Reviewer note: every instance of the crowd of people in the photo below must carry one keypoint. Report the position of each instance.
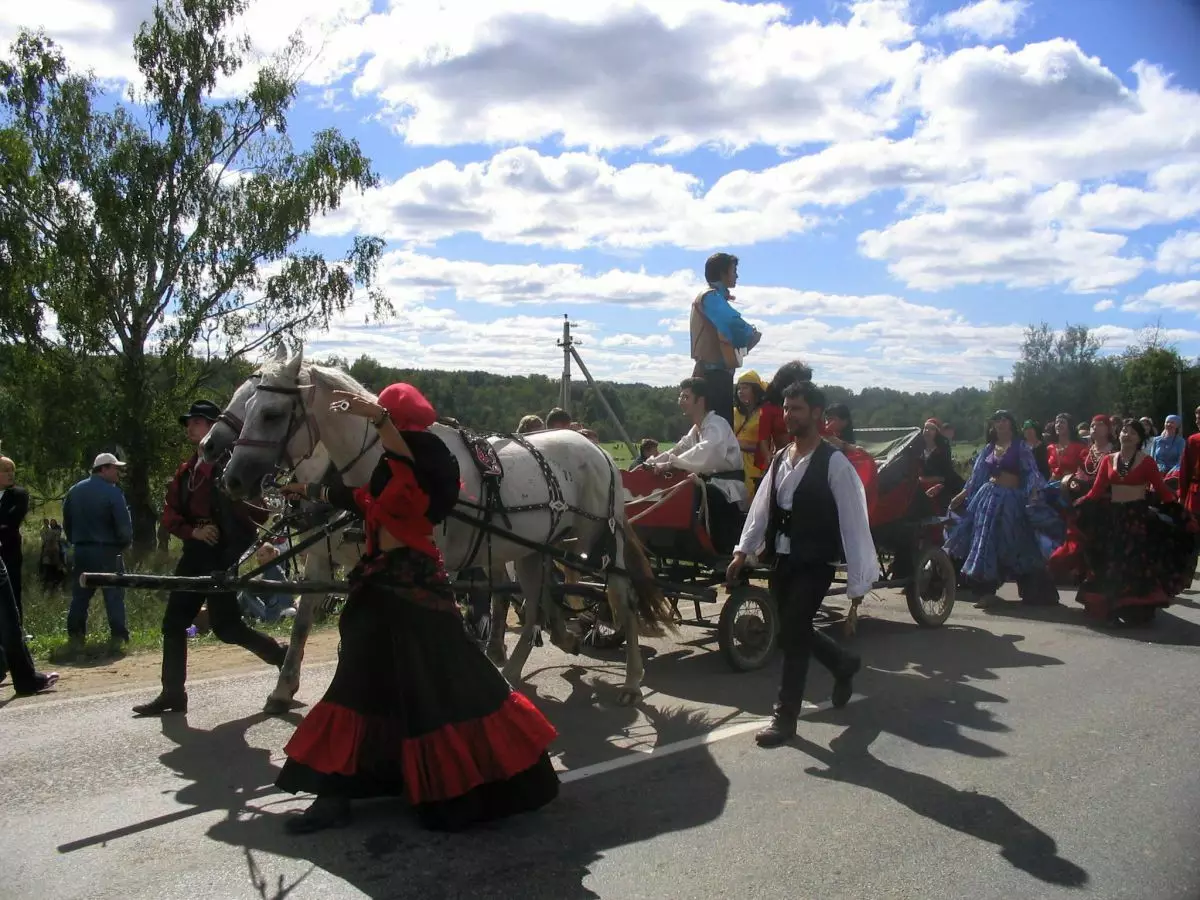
(415, 708)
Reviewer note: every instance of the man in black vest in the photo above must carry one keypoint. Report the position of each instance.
(810, 508)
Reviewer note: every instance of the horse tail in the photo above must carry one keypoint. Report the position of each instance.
(653, 609)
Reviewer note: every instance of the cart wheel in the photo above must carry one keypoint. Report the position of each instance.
(749, 628)
(598, 628)
(930, 592)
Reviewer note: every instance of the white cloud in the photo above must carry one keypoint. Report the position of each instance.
(1183, 296)
(676, 72)
(985, 19)
(572, 201)
(1103, 305)
(1180, 253)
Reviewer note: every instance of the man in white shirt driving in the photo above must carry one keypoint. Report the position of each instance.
(711, 450)
(809, 513)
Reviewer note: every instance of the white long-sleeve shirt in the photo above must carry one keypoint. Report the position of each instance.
(862, 564)
(709, 449)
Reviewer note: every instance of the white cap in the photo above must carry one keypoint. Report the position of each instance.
(106, 459)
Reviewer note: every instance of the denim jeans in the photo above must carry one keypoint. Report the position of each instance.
(97, 558)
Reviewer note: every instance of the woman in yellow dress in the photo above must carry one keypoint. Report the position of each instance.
(747, 421)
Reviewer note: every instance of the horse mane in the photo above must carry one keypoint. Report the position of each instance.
(336, 379)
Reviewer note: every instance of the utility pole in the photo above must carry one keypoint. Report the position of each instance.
(1179, 399)
(564, 400)
(569, 352)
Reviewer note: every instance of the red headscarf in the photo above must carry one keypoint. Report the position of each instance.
(407, 407)
(1101, 418)
(934, 422)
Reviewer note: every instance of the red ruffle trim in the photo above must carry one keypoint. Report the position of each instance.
(441, 765)
(1096, 605)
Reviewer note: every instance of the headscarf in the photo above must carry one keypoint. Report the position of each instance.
(1173, 420)
(407, 407)
(1029, 423)
(1009, 417)
(1102, 418)
(934, 422)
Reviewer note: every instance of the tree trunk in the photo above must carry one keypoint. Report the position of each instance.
(137, 438)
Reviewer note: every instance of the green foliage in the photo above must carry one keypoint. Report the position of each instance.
(144, 228)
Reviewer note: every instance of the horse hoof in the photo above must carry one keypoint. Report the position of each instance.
(276, 707)
(629, 696)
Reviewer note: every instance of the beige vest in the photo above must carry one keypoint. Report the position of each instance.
(707, 344)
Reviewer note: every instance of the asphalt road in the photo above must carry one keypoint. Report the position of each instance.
(1010, 754)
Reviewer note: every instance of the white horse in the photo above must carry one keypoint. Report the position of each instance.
(557, 484)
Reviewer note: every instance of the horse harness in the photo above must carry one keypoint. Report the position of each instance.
(491, 472)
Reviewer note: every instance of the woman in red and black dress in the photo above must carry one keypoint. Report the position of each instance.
(1067, 564)
(415, 708)
(1137, 552)
(1065, 455)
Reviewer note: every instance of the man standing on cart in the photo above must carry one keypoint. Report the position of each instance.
(808, 475)
(720, 336)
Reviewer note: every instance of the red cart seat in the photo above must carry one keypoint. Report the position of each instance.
(674, 528)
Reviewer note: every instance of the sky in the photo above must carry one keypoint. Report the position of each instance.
(908, 184)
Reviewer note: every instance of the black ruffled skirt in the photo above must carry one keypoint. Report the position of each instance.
(1135, 551)
(416, 710)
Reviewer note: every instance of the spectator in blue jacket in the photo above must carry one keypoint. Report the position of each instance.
(268, 607)
(721, 338)
(97, 524)
(1168, 446)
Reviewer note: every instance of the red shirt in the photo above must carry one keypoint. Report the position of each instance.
(1144, 473)
(189, 500)
(771, 425)
(400, 508)
(1189, 474)
(1065, 461)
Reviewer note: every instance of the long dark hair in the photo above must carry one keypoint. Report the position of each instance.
(789, 373)
(842, 411)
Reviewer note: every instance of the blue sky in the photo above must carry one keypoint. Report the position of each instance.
(907, 184)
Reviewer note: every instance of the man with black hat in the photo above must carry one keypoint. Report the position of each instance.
(215, 532)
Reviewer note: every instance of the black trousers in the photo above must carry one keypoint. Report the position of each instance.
(14, 654)
(14, 563)
(720, 390)
(798, 595)
(223, 614)
(724, 518)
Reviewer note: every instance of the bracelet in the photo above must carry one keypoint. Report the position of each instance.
(383, 417)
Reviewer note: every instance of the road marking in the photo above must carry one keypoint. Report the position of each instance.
(701, 740)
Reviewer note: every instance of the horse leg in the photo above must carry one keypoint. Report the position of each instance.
(280, 700)
(532, 579)
(623, 602)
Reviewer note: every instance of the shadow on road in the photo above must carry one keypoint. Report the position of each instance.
(546, 854)
(981, 816)
(1167, 628)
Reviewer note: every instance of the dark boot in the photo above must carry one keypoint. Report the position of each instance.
(324, 812)
(163, 703)
(843, 684)
(781, 729)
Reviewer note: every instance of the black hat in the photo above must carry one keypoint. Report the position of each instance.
(204, 409)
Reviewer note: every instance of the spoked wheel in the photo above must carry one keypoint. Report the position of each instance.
(748, 632)
(599, 630)
(931, 591)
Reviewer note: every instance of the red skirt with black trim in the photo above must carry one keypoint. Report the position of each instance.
(416, 710)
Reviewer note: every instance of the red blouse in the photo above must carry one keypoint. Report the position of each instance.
(401, 509)
(1145, 472)
(771, 425)
(1065, 461)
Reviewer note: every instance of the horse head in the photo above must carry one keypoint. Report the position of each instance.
(278, 430)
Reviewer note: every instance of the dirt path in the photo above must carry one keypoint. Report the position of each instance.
(142, 669)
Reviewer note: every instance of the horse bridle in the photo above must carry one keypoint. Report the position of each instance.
(284, 464)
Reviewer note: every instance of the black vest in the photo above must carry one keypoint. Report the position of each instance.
(812, 524)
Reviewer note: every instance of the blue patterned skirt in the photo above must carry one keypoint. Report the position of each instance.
(1002, 536)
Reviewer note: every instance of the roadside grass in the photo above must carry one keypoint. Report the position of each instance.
(46, 613)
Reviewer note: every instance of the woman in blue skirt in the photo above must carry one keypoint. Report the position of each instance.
(1007, 531)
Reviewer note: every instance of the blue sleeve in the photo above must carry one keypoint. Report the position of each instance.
(727, 320)
(1031, 478)
(66, 511)
(122, 524)
(979, 473)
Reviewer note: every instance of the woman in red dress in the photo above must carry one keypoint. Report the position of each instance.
(1137, 551)
(1066, 454)
(415, 709)
(1067, 564)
